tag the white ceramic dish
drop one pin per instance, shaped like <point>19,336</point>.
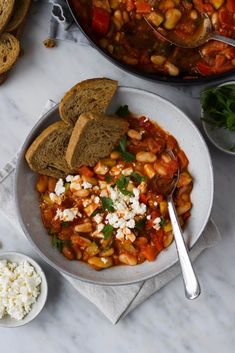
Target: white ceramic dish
<point>7,321</point>
<point>221,138</point>
<point>171,119</point>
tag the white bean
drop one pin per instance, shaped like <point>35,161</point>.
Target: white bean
<point>146,157</point>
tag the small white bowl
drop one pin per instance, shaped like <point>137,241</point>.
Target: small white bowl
<point>221,138</point>
<point>36,308</point>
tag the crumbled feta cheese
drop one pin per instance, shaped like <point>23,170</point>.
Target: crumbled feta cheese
<point>67,215</point>
<point>59,188</point>
<point>71,178</point>
<point>155,203</point>
<point>54,198</point>
<point>104,193</point>
<point>148,217</point>
<point>104,260</point>
<point>86,185</point>
<point>100,227</point>
<point>127,171</point>
<point>19,288</point>
<point>156,223</point>
<point>98,218</point>
<point>97,200</point>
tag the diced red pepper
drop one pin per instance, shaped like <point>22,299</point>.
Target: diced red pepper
<point>142,6</point>
<point>143,198</point>
<point>149,251</point>
<point>100,21</point>
<point>231,5</point>
<point>157,238</point>
<point>86,171</point>
<point>204,68</point>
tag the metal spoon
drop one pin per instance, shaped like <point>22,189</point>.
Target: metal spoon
<point>203,34</point>
<point>167,187</point>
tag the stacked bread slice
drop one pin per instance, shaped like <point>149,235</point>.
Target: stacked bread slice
<point>83,136</point>
<point>13,14</point>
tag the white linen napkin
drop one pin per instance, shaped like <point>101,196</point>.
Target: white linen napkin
<point>115,302</point>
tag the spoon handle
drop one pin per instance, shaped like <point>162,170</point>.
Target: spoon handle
<point>191,284</point>
<point>223,39</point>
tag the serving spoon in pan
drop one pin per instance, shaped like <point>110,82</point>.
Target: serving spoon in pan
<point>203,34</point>
<point>167,187</point>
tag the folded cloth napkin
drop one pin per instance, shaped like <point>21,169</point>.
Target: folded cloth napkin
<point>115,302</point>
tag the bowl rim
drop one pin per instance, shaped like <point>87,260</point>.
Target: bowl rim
<point>37,267</point>
<point>151,77</point>
<point>205,124</point>
<point>124,282</point>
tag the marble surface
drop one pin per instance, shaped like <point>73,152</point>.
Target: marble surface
<point>167,322</point>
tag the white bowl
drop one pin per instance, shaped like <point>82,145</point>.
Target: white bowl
<point>36,308</point>
<point>221,138</point>
<point>170,118</point>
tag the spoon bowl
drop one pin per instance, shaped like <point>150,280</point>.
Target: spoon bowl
<point>201,35</point>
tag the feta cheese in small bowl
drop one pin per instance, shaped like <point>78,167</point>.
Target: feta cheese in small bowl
<point>23,289</point>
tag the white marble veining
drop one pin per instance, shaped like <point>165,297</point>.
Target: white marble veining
<point>166,323</point>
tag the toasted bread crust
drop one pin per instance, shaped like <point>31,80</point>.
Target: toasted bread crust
<point>9,51</point>
<point>19,15</point>
<point>6,10</point>
<point>82,124</point>
<point>90,84</point>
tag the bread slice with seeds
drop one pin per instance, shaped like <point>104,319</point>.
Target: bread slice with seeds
<point>89,95</point>
<point>6,10</point>
<point>9,51</point>
<point>94,137</point>
<point>46,155</point>
<point>19,15</point>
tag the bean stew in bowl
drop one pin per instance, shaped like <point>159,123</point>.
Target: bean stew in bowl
<point>120,30</point>
<point>110,215</point>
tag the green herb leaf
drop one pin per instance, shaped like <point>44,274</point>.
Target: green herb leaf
<point>123,111</point>
<point>107,231</point>
<point>219,106</point>
<point>98,210</point>
<point>162,222</point>
<point>64,224</point>
<point>122,183</point>
<point>127,156</point>
<point>57,243</point>
<point>107,204</point>
<point>108,179</point>
<point>138,177</point>
<point>139,225</point>
<point>232,148</point>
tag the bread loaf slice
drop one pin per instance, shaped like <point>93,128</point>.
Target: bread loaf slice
<point>9,51</point>
<point>89,95</point>
<point>6,10</point>
<point>46,155</point>
<point>20,12</point>
<point>94,137</point>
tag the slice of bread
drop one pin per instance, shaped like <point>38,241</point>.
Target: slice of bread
<point>6,10</point>
<point>89,95</point>
<point>9,51</point>
<point>20,12</point>
<point>46,155</point>
<point>94,137</point>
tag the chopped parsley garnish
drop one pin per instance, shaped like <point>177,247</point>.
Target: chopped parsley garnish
<point>65,224</point>
<point>107,231</point>
<point>127,156</point>
<point>57,243</point>
<point>107,204</point>
<point>123,111</point>
<point>139,225</point>
<point>122,184</point>
<point>138,177</point>
<point>108,178</point>
<point>162,223</point>
<point>98,210</point>
<point>219,106</point>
